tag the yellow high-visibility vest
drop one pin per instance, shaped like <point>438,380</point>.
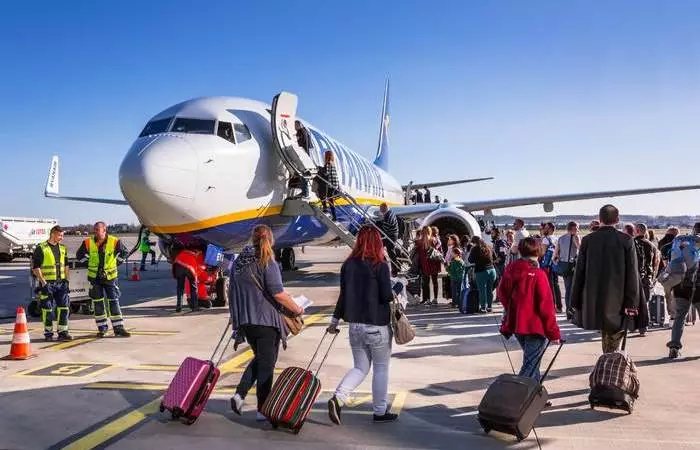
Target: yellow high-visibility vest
<point>110,264</point>
<point>48,265</point>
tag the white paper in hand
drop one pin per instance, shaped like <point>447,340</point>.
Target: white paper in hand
<point>303,301</point>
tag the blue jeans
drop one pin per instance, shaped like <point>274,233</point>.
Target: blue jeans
<point>533,346</point>
<point>370,344</point>
<point>682,310</point>
<point>485,281</point>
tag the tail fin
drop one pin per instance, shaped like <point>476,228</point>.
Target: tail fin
<point>382,158</point>
<point>52,181</point>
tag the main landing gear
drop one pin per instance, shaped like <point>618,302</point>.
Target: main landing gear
<point>287,258</point>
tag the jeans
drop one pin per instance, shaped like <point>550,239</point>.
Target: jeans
<point>105,299</point>
<point>682,309</point>
<point>426,286</point>
<point>533,346</point>
<point>181,275</point>
<point>485,281</point>
<point>144,255</point>
<point>54,302</point>
<point>564,268</point>
<point>456,286</point>
<point>669,282</point>
<point>265,342</point>
<point>370,344</point>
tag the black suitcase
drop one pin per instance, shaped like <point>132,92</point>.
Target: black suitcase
<point>513,403</point>
<point>657,310</point>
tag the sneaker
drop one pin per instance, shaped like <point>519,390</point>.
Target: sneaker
<point>482,311</point>
<point>237,404</point>
<point>205,304</point>
<point>387,417</point>
<point>488,310</point>
<point>121,332</point>
<point>101,333</point>
<point>674,353</point>
<point>334,409</point>
<point>64,336</point>
<point>48,337</point>
<point>642,333</point>
<point>178,309</point>
<point>423,302</point>
<point>259,417</point>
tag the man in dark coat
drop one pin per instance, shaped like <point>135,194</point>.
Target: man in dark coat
<point>389,225</point>
<point>606,282</point>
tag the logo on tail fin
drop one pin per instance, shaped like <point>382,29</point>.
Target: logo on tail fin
<point>382,158</point>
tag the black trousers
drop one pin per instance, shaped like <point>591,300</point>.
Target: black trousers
<point>426,286</point>
<point>181,275</point>
<point>265,342</point>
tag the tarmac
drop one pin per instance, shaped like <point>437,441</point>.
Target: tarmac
<point>105,393</point>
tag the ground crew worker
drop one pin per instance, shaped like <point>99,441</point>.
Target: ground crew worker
<point>184,269</point>
<point>145,248</point>
<point>104,253</point>
<point>49,266</point>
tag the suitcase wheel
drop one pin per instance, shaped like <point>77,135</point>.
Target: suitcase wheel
<point>274,425</point>
<point>519,437</point>
<point>161,408</point>
<point>190,420</point>
<point>297,430</point>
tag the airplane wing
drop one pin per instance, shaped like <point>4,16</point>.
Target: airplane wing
<point>547,201</point>
<point>442,183</point>
<point>51,190</point>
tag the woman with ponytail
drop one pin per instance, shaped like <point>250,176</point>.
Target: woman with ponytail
<point>256,296</point>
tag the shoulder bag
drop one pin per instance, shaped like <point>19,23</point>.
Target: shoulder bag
<point>402,328</point>
<point>294,323</point>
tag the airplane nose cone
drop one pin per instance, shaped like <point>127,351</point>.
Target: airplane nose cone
<point>158,177</point>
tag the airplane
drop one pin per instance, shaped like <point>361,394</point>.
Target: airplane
<point>210,169</point>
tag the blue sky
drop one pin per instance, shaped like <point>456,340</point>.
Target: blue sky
<point>547,96</point>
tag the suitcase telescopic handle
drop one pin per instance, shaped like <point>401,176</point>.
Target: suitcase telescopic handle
<point>551,363</point>
<point>335,335</point>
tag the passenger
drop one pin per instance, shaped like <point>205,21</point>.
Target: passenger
<point>606,282</point>
<point>426,195</point>
<point>185,269</point>
<point>145,249</point>
<point>653,239</point>
<point>687,294</point>
<point>645,267</point>
<point>457,270</point>
<point>565,256</point>
<point>255,297</point>
<point>594,225</point>
<point>670,276</point>
<point>500,250</point>
<point>549,245</point>
<point>437,241</point>
<point>528,307</point>
<point>520,234</point>
<point>364,302</point>
<point>437,199</point>
<point>332,185</point>
<point>481,256</point>
<point>429,267</point>
<point>389,225</point>
<point>50,267</point>
<point>104,254</point>
<point>304,142</point>
<point>510,239</point>
<point>452,245</point>
<point>419,196</point>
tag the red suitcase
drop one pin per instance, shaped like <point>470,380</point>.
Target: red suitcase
<point>192,385</point>
<point>294,394</point>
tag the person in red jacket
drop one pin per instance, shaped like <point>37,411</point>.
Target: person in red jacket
<point>186,268</point>
<point>528,306</point>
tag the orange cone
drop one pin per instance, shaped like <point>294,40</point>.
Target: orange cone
<point>135,273</point>
<point>21,347</point>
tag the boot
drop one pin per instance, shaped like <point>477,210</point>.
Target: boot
<point>120,331</point>
<point>64,336</point>
<point>101,332</point>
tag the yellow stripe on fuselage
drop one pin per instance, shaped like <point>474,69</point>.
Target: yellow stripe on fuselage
<point>247,215</point>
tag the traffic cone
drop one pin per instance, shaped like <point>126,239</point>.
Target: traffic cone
<point>21,347</point>
<point>135,273</point>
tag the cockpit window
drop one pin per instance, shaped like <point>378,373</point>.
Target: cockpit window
<point>242,132</point>
<point>156,126</point>
<point>225,131</point>
<point>193,126</point>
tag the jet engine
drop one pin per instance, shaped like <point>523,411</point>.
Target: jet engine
<point>452,220</point>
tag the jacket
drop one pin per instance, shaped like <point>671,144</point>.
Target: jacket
<point>527,301</point>
<point>427,266</point>
<point>481,263</point>
<point>191,260</point>
<point>365,293</point>
<point>606,281</point>
<point>456,269</point>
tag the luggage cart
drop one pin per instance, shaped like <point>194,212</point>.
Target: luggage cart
<point>80,301</point>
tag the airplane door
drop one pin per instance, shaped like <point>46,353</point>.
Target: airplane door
<point>284,109</point>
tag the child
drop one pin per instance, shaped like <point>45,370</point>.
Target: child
<point>456,270</point>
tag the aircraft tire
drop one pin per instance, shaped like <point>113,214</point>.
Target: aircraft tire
<point>288,259</point>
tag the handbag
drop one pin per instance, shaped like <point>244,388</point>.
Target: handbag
<point>435,255</point>
<point>294,323</point>
<point>402,328</point>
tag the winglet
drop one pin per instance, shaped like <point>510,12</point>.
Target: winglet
<point>52,180</point>
<point>382,158</point>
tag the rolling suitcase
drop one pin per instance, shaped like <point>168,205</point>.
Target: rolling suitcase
<point>469,298</point>
<point>512,403</point>
<point>614,382</point>
<point>657,310</point>
<point>294,393</point>
<point>192,385</point>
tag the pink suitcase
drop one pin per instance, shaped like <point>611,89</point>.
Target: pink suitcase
<point>191,387</point>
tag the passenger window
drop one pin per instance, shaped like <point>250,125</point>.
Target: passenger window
<point>194,126</point>
<point>242,132</point>
<point>225,131</point>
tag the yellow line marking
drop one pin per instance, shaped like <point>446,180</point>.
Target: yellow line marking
<point>173,368</point>
<point>238,360</point>
<point>74,343</point>
<point>137,332</point>
<point>399,402</point>
<point>26,373</point>
<point>352,402</point>
<point>118,426</point>
<point>126,386</point>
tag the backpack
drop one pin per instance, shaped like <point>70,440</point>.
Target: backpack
<point>677,263</point>
<point>548,257</point>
